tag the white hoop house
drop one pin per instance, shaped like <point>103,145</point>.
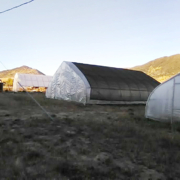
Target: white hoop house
<point>164,102</point>
<point>30,80</point>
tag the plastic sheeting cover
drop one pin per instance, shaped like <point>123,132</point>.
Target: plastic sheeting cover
<point>67,85</point>
<point>30,80</point>
<point>100,85</point>
<point>164,102</point>
<point>116,84</point>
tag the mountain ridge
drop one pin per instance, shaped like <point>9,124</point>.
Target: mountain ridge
<point>161,68</point>
<point>22,69</point>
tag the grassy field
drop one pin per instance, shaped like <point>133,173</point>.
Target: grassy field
<point>84,142</point>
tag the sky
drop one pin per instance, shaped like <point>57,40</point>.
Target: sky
<point>116,33</point>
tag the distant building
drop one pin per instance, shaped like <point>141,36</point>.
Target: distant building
<point>30,82</point>
<point>100,85</point>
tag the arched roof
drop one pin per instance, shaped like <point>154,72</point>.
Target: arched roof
<point>163,103</point>
<point>117,84</point>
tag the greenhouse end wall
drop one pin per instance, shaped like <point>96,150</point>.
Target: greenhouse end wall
<point>68,84</point>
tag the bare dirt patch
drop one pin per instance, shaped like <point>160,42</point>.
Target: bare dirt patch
<point>83,142</point>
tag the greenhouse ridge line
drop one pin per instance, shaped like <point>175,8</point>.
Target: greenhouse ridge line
<point>16,7</point>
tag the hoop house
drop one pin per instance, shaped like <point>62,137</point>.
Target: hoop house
<point>164,102</point>
<point>30,80</point>
<point>100,85</point>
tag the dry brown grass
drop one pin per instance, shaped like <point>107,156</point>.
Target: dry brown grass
<point>83,142</point>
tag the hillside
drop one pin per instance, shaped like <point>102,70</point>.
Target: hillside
<point>161,69</point>
<point>23,69</point>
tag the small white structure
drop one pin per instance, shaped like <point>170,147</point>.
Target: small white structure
<point>164,102</point>
<point>30,80</point>
<point>94,84</point>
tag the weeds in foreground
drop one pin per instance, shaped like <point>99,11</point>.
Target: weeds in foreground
<point>113,142</point>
